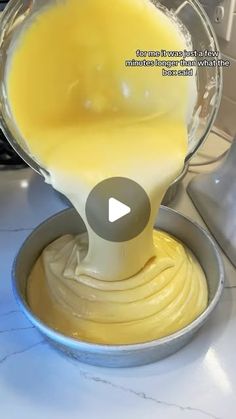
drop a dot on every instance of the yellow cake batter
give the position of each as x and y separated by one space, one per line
86 117
166 295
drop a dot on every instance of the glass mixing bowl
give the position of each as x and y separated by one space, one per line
193 21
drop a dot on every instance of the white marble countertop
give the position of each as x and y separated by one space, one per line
37 382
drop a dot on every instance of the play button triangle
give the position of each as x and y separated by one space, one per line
117 210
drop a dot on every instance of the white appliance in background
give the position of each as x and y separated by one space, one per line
214 196
221 14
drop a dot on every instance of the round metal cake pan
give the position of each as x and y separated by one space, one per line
68 221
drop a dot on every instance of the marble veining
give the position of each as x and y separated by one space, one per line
145 396
28 348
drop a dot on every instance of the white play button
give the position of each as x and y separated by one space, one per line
117 210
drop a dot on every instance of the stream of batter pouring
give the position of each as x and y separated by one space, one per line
86 117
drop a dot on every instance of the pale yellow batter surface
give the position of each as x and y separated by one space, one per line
165 296
86 117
